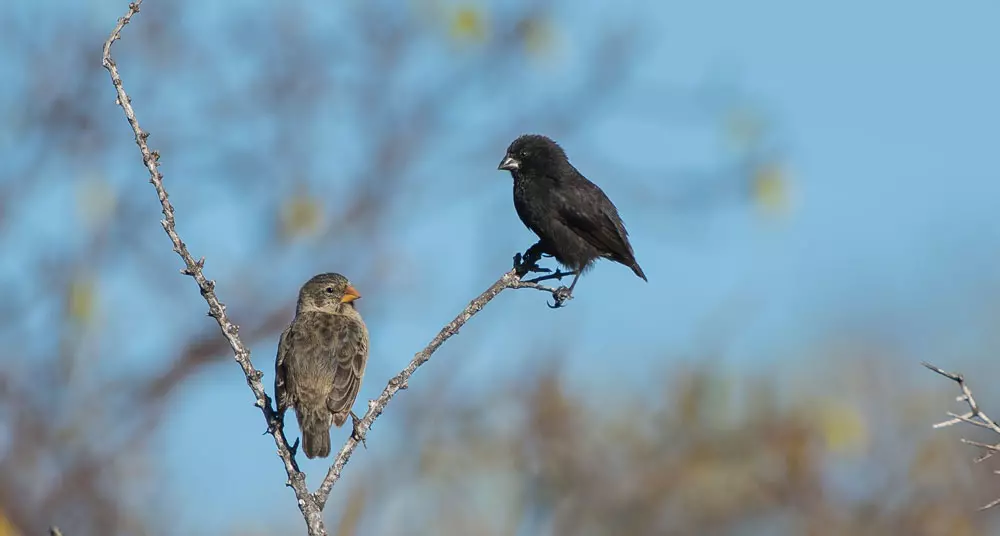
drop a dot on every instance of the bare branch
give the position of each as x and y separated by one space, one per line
216 309
975 416
310 505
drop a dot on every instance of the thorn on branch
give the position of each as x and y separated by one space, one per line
395 382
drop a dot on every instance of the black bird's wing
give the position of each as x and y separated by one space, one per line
585 209
350 355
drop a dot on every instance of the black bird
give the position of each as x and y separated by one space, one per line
574 219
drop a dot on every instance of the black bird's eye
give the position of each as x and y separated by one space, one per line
329 290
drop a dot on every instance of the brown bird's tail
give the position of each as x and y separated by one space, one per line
315 427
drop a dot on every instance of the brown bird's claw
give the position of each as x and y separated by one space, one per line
276 422
561 295
355 434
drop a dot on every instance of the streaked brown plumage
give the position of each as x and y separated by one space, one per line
321 360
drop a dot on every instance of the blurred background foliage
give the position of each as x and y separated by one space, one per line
362 137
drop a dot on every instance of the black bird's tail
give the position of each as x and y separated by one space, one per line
638 271
315 426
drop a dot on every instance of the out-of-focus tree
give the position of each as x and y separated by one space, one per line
314 124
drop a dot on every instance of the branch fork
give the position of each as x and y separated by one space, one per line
311 505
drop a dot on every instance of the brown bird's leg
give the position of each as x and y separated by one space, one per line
355 421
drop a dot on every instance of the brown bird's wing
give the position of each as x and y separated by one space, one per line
588 211
350 355
282 395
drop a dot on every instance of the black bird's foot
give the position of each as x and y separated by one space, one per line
294 449
525 264
561 295
558 274
528 262
355 433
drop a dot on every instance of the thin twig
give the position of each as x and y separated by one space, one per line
311 512
975 416
510 280
966 396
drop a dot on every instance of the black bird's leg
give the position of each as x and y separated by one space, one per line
527 263
355 421
558 274
563 294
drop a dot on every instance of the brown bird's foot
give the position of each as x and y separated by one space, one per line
355 433
561 295
293 449
276 422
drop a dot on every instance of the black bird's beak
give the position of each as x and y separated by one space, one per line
508 163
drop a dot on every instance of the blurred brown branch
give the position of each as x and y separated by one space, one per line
975 416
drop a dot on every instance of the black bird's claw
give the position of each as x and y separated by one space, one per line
294 448
355 434
561 295
518 264
525 264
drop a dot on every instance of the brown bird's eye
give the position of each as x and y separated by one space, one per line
329 290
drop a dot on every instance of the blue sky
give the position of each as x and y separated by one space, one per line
886 118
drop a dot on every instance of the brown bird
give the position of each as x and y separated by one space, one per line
321 360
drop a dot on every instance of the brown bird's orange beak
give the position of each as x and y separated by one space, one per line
350 294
